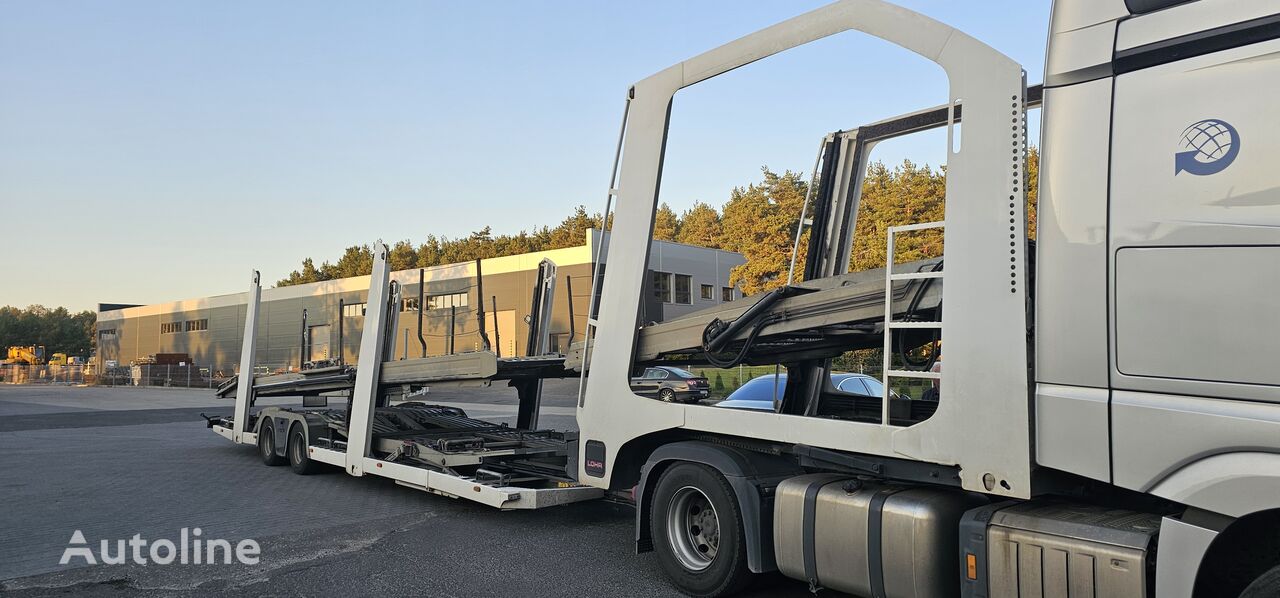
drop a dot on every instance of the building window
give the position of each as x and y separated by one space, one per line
409 304
446 301
662 286
106 332
708 292
170 327
197 325
726 293
353 310
684 289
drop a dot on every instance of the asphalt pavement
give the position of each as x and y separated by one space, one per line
113 463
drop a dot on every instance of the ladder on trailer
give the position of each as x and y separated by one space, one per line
890 324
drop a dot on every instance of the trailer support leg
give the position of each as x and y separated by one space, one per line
529 391
244 386
369 367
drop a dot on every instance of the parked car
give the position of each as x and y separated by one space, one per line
671 385
757 393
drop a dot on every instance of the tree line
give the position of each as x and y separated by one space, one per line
757 220
57 329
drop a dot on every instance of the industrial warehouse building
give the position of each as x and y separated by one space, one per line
682 278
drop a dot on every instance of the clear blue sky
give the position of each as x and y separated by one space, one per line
154 150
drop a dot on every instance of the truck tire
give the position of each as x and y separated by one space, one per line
267 445
697 531
299 459
1266 585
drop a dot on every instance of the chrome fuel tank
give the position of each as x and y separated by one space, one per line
870 539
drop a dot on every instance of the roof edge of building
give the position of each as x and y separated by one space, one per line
567 256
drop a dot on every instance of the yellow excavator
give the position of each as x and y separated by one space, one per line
30 355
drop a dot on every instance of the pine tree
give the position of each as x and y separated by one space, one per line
403 256
759 222
700 225
665 224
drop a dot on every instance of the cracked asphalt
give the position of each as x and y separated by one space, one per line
117 462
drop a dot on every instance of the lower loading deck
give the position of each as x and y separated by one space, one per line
434 448
441 450
445 438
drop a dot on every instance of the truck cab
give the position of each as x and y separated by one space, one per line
1107 388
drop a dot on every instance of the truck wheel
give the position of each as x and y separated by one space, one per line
1266 585
299 460
667 395
267 445
697 531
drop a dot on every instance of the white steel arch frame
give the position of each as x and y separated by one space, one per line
982 423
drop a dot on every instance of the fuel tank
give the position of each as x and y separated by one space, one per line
870 539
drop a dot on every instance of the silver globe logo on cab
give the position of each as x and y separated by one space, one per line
1208 146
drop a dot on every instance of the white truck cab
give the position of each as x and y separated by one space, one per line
1131 372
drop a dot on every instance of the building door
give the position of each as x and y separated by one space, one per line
318 340
503 323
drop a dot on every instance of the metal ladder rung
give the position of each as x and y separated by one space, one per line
920 226
925 325
913 374
915 275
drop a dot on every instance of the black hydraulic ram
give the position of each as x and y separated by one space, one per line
497 336
718 334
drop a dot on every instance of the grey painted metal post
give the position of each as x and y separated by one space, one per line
529 391
302 347
364 393
244 387
393 320
541 344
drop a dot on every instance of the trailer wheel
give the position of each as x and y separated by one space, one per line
697 531
299 460
1265 586
267 445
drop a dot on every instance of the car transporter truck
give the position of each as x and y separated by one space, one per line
1107 422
